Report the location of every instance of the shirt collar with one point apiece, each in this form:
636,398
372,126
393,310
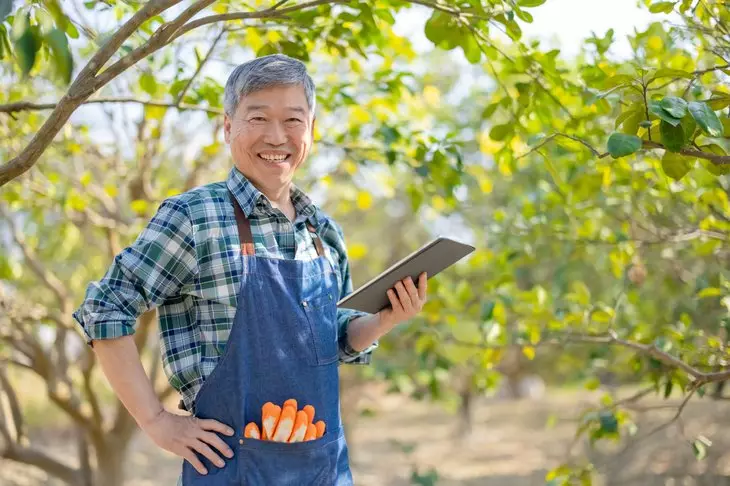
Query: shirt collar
253,201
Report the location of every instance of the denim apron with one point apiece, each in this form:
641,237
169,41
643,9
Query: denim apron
283,344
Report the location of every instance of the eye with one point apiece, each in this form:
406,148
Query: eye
293,120
257,119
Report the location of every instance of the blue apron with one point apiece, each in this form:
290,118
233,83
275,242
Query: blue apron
283,344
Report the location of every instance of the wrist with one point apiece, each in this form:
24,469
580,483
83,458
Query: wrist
149,418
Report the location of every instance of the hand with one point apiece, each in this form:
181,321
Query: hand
405,302
183,435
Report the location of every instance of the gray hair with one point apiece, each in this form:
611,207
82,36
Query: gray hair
266,72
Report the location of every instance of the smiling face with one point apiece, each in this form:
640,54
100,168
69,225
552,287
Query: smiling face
270,136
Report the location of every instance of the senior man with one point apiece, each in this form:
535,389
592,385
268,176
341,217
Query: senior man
246,274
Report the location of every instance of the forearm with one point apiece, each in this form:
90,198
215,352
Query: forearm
122,366
364,331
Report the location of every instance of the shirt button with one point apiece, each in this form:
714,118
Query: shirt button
240,441
304,303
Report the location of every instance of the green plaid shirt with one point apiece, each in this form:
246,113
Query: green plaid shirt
186,264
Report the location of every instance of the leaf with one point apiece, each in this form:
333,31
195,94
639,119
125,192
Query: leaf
529,352
709,292
706,118
657,110
662,7
530,3
609,422
148,83
672,136
716,169
670,73
26,47
621,144
675,165
499,132
675,106
62,58
699,447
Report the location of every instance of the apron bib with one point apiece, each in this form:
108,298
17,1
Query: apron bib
283,344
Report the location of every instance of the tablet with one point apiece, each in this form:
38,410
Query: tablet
431,258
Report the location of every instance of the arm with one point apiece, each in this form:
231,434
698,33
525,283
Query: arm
153,268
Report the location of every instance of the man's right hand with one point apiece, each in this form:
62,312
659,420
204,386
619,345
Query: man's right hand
184,435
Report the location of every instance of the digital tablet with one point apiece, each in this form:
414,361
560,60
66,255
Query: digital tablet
431,258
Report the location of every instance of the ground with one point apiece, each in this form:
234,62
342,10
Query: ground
512,444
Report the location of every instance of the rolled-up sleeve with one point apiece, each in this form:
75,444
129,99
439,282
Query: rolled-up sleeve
347,354
155,266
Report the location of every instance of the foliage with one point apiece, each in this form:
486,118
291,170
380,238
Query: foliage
594,188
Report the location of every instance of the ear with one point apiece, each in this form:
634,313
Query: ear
227,128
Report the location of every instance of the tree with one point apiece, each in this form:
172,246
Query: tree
594,188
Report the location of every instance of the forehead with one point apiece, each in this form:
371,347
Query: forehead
279,98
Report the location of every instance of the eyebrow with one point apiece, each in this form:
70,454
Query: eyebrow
297,109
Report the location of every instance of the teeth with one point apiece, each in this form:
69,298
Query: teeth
274,157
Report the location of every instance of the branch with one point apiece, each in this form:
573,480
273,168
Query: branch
83,86
205,59
34,457
555,135
30,106
15,411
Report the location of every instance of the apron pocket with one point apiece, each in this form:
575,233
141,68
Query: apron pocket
321,314
311,463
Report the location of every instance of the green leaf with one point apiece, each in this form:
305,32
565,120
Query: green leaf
530,3
706,118
675,106
656,109
662,7
670,73
148,83
499,132
709,292
699,447
672,136
609,422
621,144
62,58
675,165
26,47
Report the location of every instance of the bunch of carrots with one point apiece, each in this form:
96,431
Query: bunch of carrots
286,424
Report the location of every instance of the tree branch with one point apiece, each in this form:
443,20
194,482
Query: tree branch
83,86
30,106
205,59
34,457
15,411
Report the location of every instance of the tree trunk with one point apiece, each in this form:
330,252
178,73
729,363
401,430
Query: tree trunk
110,463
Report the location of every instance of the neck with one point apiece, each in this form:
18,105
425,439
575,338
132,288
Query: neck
279,196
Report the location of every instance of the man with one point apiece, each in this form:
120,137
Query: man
245,274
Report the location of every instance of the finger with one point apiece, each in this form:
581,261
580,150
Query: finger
320,428
292,402
210,424
300,427
311,433
251,431
309,410
394,301
203,448
217,442
422,286
270,418
412,291
285,426
190,456
405,299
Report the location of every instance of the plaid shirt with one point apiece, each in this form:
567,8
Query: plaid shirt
186,263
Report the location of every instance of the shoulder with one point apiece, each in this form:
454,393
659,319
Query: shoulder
200,203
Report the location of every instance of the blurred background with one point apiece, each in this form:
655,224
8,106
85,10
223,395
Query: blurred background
580,146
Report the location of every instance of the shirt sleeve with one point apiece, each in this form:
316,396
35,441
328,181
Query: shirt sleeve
157,264
346,353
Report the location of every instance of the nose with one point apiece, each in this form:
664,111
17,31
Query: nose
275,134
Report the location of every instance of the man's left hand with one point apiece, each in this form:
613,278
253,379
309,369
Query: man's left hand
406,301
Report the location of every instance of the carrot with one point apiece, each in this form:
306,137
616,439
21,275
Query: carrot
270,414
311,432
286,424
252,431
291,402
309,410
300,427
320,428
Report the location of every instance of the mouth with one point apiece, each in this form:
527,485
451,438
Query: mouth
275,159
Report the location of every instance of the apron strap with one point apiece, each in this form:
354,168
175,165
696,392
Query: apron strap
246,238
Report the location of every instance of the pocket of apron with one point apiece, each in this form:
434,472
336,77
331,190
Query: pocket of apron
311,463
321,313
